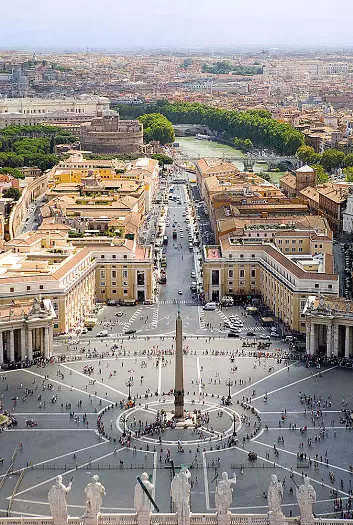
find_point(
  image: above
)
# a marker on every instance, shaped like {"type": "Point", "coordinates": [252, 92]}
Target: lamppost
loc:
{"type": "Point", "coordinates": [229, 384]}
{"type": "Point", "coordinates": [129, 383]}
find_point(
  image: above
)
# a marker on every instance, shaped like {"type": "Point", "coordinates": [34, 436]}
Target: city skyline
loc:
{"type": "Point", "coordinates": [197, 25]}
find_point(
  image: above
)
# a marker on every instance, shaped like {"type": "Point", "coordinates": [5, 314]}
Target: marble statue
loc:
{"type": "Point", "coordinates": [57, 500]}
{"type": "Point", "coordinates": [275, 496]}
{"type": "Point", "coordinates": [141, 502]}
{"type": "Point", "coordinates": [94, 492]}
{"type": "Point", "coordinates": [180, 492]}
{"type": "Point", "coordinates": [306, 496]}
{"type": "Point", "coordinates": [223, 495]}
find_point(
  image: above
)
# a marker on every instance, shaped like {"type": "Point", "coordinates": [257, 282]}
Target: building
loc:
{"type": "Point", "coordinates": [260, 268]}
{"type": "Point", "coordinates": [26, 330]}
{"type": "Point", "coordinates": [292, 184]}
{"type": "Point", "coordinates": [329, 326]}
{"type": "Point", "coordinates": [31, 111]}
{"type": "Point", "coordinates": [348, 215]}
{"type": "Point", "coordinates": [46, 263]}
{"type": "Point", "coordinates": [110, 135]}
{"type": "Point", "coordinates": [208, 167]}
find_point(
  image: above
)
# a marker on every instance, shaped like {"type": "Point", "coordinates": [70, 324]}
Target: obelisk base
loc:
{"type": "Point", "coordinates": [179, 408]}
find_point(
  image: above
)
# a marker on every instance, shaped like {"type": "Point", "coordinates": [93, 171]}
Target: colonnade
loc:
{"type": "Point", "coordinates": [24, 342]}
{"type": "Point", "coordinates": [332, 337]}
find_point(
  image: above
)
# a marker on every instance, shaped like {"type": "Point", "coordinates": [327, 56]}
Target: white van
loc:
{"type": "Point", "coordinates": [103, 333]}
{"type": "Point", "coordinates": [210, 306]}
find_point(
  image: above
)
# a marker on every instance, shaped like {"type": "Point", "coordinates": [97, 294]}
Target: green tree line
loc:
{"type": "Point", "coordinates": [223, 67]}
{"type": "Point", "coordinates": [257, 126]}
{"type": "Point", "coordinates": [157, 127]}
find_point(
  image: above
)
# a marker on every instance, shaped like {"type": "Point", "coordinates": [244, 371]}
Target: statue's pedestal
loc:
{"type": "Point", "coordinates": [89, 519]}
{"type": "Point", "coordinates": [143, 518]}
{"type": "Point", "coordinates": [223, 519]}
{"type": "Point", "coordinates": [276, 519]}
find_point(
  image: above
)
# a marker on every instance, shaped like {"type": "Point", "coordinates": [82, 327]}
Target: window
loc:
{"type": "Point", "coordinates": [102, 274]}
{"type": "Point", "coordinates": [241, 273]}
{"type": "Point", "coordinates": [316, 285]}
{"type": "Point", "coordinates": [56, 325]}
{"type": "Point", "coordinates": [253, 283]}
{"type": "Point", "coordinates": [113, 283]}
{"type": "Point", "coordinates": [102, 283]}
{"type": "Point", "coordinates": [41, 287]}
{"type": "Point", "coordinates": [253, 273]}
{"type": "Point", "coordinates": [102, 256]}
{"type": "Point", "coordinates": [125, 292]}
{"type": "Point", "coordinates": [302, 305]}
{"type": "Point", "coordinates": [113, 274]}
{"type": "Point", "coordinates": [215, 277]}
{"type": "Point", "coordinates": [230, 283]}
{"type": "Point", "coordinates": [287, 241]}
{"type": "Point", "coordinates": [114, 256]}
{"type": "Point", "coordinates": [286, 249]}
{"type": "Point", "coordinates": [230, 273]}
{"type": "Point", "coordinates": [113, 291]}
{"type": "Point", "coordinates": [140, 278]}
{"type": "Point", "coordinates": [125, 283]}
{"type": "Point", "coordinates": [300, 249]}
{"type": "Point", "coordinates": [280, 241]}
{"type": "Point", "coordinates": [253, 255]}
{"type": "Point", "coordinates": [12, 289]}
{"type": "Point", "coordinates": [294, 241]}
{"type": "Point", "coordinates": [241, 283]}
{"type": "Point", "coordinates": [28, 287]}
{"type": "Point", "coordinates": [103, 292]}
{"type": "Point", "coordinates": [330, 286]}
{"type": "Point", "coordinates": [241, 255]}
{"type": "Point", "coordinates": [300, 241]}
{"type": "Point", "coordinates": [293, 249]}
{"type": "Point", "coordinates": [125, 256]}
{"type": "Point", "coordinates": [230, 256]}
{"type": "Point", "coordinates": [125, 274]}
{"type": "Point", "coordinates": [315, 245]}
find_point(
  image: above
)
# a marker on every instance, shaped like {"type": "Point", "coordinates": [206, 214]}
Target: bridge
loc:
{"type": "Point", "coordinates": [249, 161]}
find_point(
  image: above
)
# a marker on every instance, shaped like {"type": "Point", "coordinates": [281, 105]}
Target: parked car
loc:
{"type": "Point", "coordinates": [274, 334]}
{"type": "Point", "coordinates": [119, 314]}
{"type": "Point", "coordinates": [103, 333]}
{"type": "Point", "coordinates": [264, 336]}
{"type": "Point", "coordinates": [130, 332]}
{"type": "Point", "coordinates": [210, 306]}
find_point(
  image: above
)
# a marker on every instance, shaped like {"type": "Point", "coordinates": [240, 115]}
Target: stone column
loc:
{"type": "Point", "coordinates": [348, 341]}
{"type": "Point", "coordinates": [179, 370]}
{"type": "Point", "coordinates": [23, 343]}
{"type": "Point", "coordinates": [329, 340]}
{"type": "Point", "coordinates": [307, 335]}
{"type": "Point", "coordinates": [11, 345]}
{"type": "Point", "coordinates": [51, 339]}
{"type": "Point", "coordinates": [30, 344]}
{"type": "Point", "coordinates": [45, 350]}
{"type": "Point", "coordinates": [335, 340]}
{"type": "Point", "coordinates": [312, 346]}
{"type": "Point", "coordinates": [1, 349]}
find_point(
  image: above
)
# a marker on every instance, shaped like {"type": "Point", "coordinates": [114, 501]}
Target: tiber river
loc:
{"type": "Point", "coordinates": [191, 147]}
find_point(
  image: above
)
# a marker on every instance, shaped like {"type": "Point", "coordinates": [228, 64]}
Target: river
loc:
{"type": "Point", "coordinates": [191, 147]}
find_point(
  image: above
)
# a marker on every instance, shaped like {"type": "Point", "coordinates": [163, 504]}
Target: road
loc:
{"type": "Point", "coordinates": [32, 220]}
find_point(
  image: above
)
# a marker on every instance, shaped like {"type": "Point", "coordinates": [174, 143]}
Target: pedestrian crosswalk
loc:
{"type": "Point", "coordinates": [134, 316]}
{"type": "Point", "coordinates": [190, 302]}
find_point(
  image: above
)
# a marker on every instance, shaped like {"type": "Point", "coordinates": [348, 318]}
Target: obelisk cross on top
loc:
{"type": "Point", "coordinates": [179, 369]}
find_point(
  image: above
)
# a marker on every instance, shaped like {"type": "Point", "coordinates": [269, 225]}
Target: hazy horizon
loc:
{"type": "Point", "coordinates": [188, 24]}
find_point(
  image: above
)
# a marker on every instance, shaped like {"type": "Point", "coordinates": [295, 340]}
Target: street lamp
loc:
{"type": "Point", "coordinates": [129, 384]}
{"type": "Point", "coordinates": [229, 384]}
{"type": "Point", "coordinates": [123, 419]}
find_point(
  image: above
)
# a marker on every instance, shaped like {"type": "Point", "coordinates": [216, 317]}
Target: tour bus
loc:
{"type": "Point", "coordinates": [90, 322]}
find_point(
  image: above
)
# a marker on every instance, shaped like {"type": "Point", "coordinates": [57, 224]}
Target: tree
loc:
{"type": "Point", "coordinates": [12, 171]}
{"type": "Point", "coordinates": [162, 159]}
{"type": "Point", "coordinates": [12, 193]}
{"type": "Point", "coordinates": [321, 175]}
{"type": "Point", "coordinates": [332, 159]}
{"type": "Point", "coordinates": [348, 173]}
{"type": "Point", "coordinates": [307, 154]}
{"type": "Point", "coordinates": [348, 161]}
{"type": "Point", "coordinates": [157, 127]}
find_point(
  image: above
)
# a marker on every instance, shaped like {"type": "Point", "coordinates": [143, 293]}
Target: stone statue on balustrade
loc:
{"type": "Point", "coordinates": [180, 492]}
{"type": "Point", "coordinates": [306, 496]}
{"type": "Point", "coordinates": [94, 493]}
{"type": "Point", "coordinates": [57, 501]}
{"type": "Point", "coordinates": [141, 502]}
{"type": "Point", "coordinates": [275, 497]}
{"type": "Point", "coordinates": [223, 495]}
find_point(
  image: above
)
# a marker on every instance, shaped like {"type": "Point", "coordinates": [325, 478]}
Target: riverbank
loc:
{"type": "Point", "coordinates": [193, 148]}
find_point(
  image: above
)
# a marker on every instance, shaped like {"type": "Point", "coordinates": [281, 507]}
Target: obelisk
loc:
{"type": "Point", "coordinates": [179, 370]}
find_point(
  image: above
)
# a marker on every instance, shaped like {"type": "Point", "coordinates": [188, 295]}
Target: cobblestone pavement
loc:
{"type": "Point", "coordinates": [75, 449]}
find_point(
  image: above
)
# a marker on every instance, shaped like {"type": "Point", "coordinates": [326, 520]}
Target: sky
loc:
{"type": "Point", "coordinates": [174, 24]}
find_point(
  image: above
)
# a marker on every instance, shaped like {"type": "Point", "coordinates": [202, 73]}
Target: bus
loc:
{"type": "Point", "coordinates": [165, 240]}
{"type": "Point", "coordinates": [90, 322]}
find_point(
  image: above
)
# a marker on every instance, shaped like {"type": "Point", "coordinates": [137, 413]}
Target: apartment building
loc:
{"type": "Point", "coordinates": [261, 269]}
{"type": "Point", "coordinates": [45, 264]}
{"type": "Point", "coordinates": [209, 167]}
